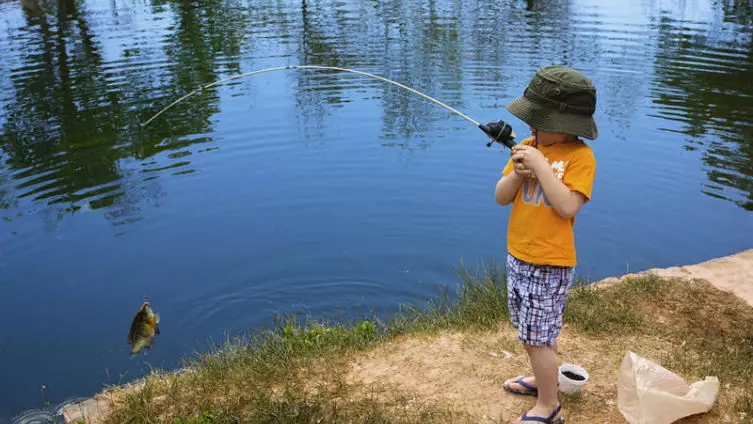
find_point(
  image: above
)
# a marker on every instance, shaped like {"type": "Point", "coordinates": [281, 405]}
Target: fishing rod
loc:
{"type": "Point", "coordinates": [498, 131]}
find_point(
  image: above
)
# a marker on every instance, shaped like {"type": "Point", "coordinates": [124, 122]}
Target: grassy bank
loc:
{"type": "Point", "coordinates": [298, 372]}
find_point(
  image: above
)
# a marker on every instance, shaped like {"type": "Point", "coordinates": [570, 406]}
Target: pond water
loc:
{"type": "Point", "coordinates": [328, 193]}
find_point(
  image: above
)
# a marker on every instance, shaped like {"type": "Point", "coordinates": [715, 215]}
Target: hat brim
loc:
{"type": "Point", "coordinates": [550, 120]}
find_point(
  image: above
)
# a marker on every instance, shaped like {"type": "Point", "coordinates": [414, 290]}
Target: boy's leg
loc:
{"type": "Point", "coordinates": [516, 284]}
{"type": "Point", "coordinates": [529, 381]}
{"type": "Point", "coordinates": [515, 277]}
{"type": "Point", "coordinates": [544, 362]}
{"type": "Point", "coordinates": [544, 291]}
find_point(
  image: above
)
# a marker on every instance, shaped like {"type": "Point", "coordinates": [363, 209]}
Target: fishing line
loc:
{"type": "Point", "coordinates": [498, 131]}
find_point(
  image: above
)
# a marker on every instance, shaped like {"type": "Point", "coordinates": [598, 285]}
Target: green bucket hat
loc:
{"type": "Point", "coordinates": [558, 99]}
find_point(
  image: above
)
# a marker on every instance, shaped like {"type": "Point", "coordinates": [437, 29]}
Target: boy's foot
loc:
{"type": "Point", "coordinates": [543, 415]}
{"type": "Point", "coordinates": [522, 386]}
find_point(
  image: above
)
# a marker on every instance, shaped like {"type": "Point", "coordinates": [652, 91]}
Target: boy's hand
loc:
{"type": "Point", "coordinates": [530, 157]}
{"type": "Point", "coordinates": [524, 172]}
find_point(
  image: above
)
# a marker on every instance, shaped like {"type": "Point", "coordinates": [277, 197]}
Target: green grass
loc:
{"type": "Point", "coordinates": [622, 312]}
{"type": "Point", "coordinates": [293, 374]}
{"type": "Point", "coordinates": [480, 303]}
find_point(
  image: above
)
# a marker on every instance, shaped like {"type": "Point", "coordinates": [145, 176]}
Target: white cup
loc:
{"type": "Point", "coordinates": [568, 385]}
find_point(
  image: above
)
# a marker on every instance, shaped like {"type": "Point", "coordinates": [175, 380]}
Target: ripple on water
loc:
{"type": "Point", "coordinates": [36, 417]}
{"type": "Point", "coordinates": [52, 415]}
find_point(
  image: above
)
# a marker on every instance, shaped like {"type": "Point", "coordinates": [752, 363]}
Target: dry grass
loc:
{"type": "Point", "coordinates": [705, 332]}
{"type": "Point", "coordinates": [446, 362]}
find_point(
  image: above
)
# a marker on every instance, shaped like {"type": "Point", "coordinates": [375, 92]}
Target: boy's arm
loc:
{"type": "Point", "coordinates": [507, 188]}
{"type": "Point", "coordinates": [569, 195]}
{"type": "Point", "coordinates": [567, 203]}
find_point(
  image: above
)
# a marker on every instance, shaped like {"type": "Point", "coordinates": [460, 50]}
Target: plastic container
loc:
{"type": "Point", "coordinates": [571, 378]}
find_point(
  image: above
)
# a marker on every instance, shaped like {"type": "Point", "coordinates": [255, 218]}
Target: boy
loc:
{"type": "Point", "coordinates": [547, 180]}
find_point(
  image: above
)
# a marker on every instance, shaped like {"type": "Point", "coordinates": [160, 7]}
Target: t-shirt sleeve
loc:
{"type": "Point", "coordinates": [580, 173]}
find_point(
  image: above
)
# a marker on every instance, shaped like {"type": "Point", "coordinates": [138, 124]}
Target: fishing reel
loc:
{"type": "Point", "coordinates": [500, 132]}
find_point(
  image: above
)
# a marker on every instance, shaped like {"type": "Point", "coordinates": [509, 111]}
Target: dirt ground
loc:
{"type": "Point", "coordinates": [467, 371]}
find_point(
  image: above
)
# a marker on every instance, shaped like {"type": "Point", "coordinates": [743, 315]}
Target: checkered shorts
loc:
{"type": "Point", "coordinates": [536, 296]}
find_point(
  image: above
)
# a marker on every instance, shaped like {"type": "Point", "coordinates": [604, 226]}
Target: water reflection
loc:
{"type": "Point", "coordinates": [62, 124]}
{"type": "Point", "coordinates": [703, 83]}
{"type": "Point", "coordinates": [58, 92]}
{"type": "Point", "coordinates": [73, 115]}
{"type": "Point", "coordinates": [320, 42]}
{"type": "Point", "coordinates": [737, 11]}
{"type": "Point", "coordinates": [386, 39]}
{"type": "Point", "coordinates": [429, 58]}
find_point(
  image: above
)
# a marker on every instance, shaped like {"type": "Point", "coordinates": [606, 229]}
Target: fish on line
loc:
{"type": "Point", "coordinates": [144, 328]}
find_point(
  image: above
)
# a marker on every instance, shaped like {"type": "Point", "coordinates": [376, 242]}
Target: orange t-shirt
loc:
{"type": "Point", "coordinates": [536, 233]}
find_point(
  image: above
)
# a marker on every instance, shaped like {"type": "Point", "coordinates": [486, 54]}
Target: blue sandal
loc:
{"type": "Point", "coordinates": [549, 420]}
{"type": "Point", "coordinates": [531, 390]}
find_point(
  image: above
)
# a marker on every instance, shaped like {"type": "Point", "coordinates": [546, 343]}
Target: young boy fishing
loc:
{"type": "Point", "coordinates": [547, 179]}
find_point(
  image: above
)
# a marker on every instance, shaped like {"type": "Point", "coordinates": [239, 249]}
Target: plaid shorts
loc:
{"type": "Point", "coordinates": [536, 296]}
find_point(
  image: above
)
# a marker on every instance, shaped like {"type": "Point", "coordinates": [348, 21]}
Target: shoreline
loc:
{"type": "Point", "coordinates": [730, 274]}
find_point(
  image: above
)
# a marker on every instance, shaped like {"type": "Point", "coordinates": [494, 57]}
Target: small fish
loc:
{"type": "Point", "coordinates": [144, 327]}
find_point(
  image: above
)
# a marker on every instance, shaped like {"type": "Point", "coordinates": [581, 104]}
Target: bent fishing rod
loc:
{"type": "Point", "coordinates": [498, 131]}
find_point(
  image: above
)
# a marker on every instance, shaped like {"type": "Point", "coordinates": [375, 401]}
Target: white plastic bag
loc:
{"type": "Point", "coordinates": [648, 393]}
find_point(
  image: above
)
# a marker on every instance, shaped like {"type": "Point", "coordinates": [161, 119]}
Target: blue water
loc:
{"type": "Point", "coordinates": [328, 194]}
